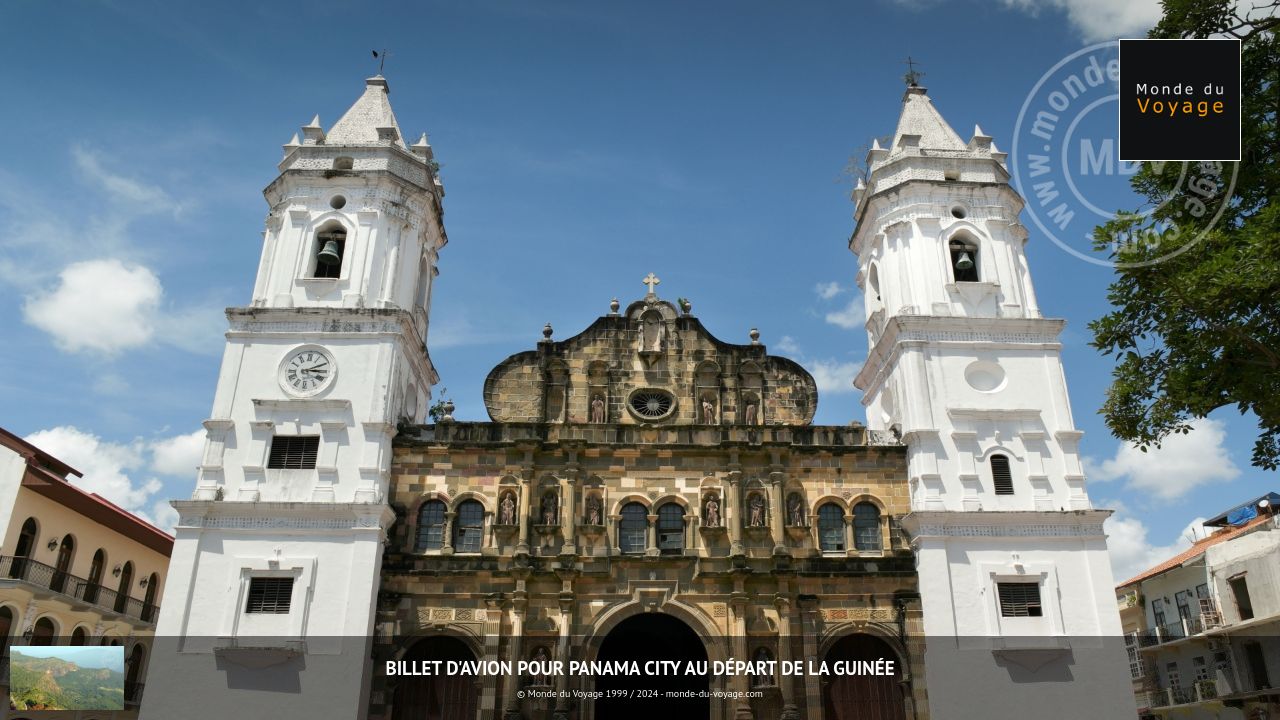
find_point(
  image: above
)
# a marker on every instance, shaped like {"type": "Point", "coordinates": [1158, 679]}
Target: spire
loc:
{"type": "Point", "coordinates": [921, 121]}
{"type": "Point", "coordinates": [370, 120]}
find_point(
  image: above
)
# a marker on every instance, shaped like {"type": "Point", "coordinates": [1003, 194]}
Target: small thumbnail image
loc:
{"type": "Point", "coordinates": [62, 677]}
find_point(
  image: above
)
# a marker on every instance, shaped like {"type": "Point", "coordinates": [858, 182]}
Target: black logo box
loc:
{"type": "Point", "coordinates": [1186, 68]}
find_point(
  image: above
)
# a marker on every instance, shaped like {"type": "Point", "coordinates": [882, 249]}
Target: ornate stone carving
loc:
{"type": "Point", "coordinates": [507, 509]}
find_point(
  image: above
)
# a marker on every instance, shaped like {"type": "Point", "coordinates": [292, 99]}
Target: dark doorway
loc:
{"type": "Point", "coordinates": [22, 551]}
{"type": "Point", "coordinates": [436, 697]}
{"type": "Point", "coordinates": [122, 595]}
{"type": "Point", "coordinates": [653, 636]}
{"type": "Point", "coordinates": [62, 567]}
{"type": "Point", "coordinates": [862, 697]}
{"type": "Point", "coordinates": [42, 632]}
{"type": "Point", "coordinates": [95, 576]}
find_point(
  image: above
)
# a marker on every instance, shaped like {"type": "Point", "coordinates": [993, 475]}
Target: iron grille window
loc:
{"type": "Point", "coordinates": [468, 528]}
{"type": "Point", "coordinates": [671, 529]}
{"type": "Point", "coordinates": [633, 528]}
{"type": "Point", "coordinates": [866, 526]}
{"type": "Point", "coordinates": [1019, 599]}
{"type": "Point", "coordinates": [294, 452]}
{"type": "Point", "coordinates": [1000, 475]}
{"type": "Point", "coordinates": [430, 526]}
{"type": "Point", "coordinates": [269, 595]}
{"type": "Point", "coordinates": [831, 528]}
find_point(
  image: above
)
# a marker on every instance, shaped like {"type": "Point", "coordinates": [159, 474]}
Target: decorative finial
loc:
{"type": "Point", "coordinates": [686, 307]}
{"type": "Point", "coordinates": [755, 336]}
{"type": "Point", "coordinates": [651, 280]}
{"type": "Point", "coordinates": [613, 306]}
{"type": "Point", "coordinates": [315, 122]}
{"type": "Point", "coordinates": [546, 332]}
{"type": "Point", "coordinates": [913, 75]}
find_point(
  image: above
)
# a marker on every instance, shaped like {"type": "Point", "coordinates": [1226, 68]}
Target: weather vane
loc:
{"type": "Point", "coordinates": [913, 75]}
{"type": "Point", "coordinates": [381, 57]}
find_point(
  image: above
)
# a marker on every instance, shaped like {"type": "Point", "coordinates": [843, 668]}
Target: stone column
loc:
{"type": "Point", "coordinates": [569, 511]}
{"type": "Point", "coordinates": [742, 711]}
{"type": "Point", "coordinates": [562, 654]}
{"type": "Point", "coordinates": [446, 542]}
{"type": "Point", "coordinates": [786, 680]}
{"type": "Point", "coordinates": [522, 548]}
{"type": "Point", "coordinates": [652, 550]}
{"type": "Point", "coordinates": [849, 548]}
{"type": "Point", "coordinates": [778, 517]}
{"type": "Point", "coordinates": [730, 512]}
{"type": "Point", "coordinates": [514, 650]}
{"type": "Point", "coordinates": [612, 531]}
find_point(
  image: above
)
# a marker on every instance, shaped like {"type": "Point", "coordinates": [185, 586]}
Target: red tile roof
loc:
{"type": "Point", "coordinates": [1196, 550]}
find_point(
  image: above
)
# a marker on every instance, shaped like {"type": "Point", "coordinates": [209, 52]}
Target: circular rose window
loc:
{"type": "Point", "coordinates": [651, 404]}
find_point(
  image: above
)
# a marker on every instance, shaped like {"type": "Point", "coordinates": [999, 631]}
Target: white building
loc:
{"type": "Point", "coordinates": [270, 603]}
{"type": "Point", "coordinates": [1015, 580]}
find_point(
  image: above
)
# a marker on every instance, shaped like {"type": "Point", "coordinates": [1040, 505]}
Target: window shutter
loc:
{"type": "Point", "coordinates": [293, 452]}
{"type": "Point", "coordinates": [270, 595]}
{"type": "Point", "coordinates": [1019, 599]}
{"type": "Point", "coordinates": [1001, 476]}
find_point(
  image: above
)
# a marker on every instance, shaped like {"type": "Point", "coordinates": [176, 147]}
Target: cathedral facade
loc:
{"type": "Point", "coordinates": [642, 490]}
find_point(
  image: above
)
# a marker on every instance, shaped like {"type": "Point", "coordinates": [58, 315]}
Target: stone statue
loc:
{"type": "Point", "coordinates": [708, 412]}
{"type": "Point", "coordinates": [762, 678]}
{"type": "Point", "coordinates": [655, 332]}
{"type": "Point", "coordinates": [549, 514]}
{"type": "Point", "coordinates": [749, 413]}
{"type": "Point", "coordinates": [597, 409]}
{"type": "Point", "coordinates": [757, 511]}
{"type": "Point", "coordinates": [712, 512]}
{"type": "Point", "coordinates": [541, 660]}
{"type": "Point", "coordinates": [508, 510]}
{"type": "Point", "coordinates": [593, 510]}
{"type": "Point", "coordinates": [796, 510]}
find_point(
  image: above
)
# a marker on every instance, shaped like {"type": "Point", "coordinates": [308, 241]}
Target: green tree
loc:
{"type": "Point", "coordinates": [1200, 330]}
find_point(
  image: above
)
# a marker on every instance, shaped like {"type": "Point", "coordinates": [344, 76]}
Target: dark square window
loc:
{"type": "Point", "coordinates": [1019, 599]}
{"type": "Point", "coordinates": [293, 452]}
{"type": "Point", "coordinates": [269, 595]}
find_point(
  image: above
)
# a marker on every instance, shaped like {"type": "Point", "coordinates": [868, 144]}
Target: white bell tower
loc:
{"type": "Point", "coordinates": [1015, 580]}
{"type": "Point", "coordinates": [275, 569]}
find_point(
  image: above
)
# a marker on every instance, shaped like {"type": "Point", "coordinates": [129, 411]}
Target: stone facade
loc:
{"type": "Point", "coordinates": [554, 565]}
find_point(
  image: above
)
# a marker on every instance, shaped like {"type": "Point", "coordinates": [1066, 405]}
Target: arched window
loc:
{"type": "Point", "coordinates": [1001, 477]}
{"type": "Point", "coordinates": [22, 551]}
{"type": "Point", "coordinates": [149, 601]}
{"type": "Point", "coordinates": [831, 528]}
{"type": "Point", "coordinates": [430, 526]}
{"type": "Point", "coordinates": [43, 632]}
{"type": "Point", "coordinates": [671, 529]}
{"type": "Point", "coordinates": [79, 636]}
{"type": "Point", "coordinates": [964, 259]}
{"type": "Point", "coordinates": [6, 627]}
{"type": "Point", "coordinates": [633, 529]}
{"type": "Point", "coordinates": [468, 527]}
{"type": "Point", "coordinates": [122, 595]}
{"type": "Point", "coordinates": [866, 526]}
{"type": "Point", "coordinates": [62, 566]}
{"type": "Point", "coordinates": [331, 241]}
{"type": "Point", "coordinates": [96, 569]}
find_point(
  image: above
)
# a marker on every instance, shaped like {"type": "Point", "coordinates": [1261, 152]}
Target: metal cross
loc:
{"type": "Point", "coordinates": [651, 280]}
{"type": "Point", "coordinates": [913, 76]}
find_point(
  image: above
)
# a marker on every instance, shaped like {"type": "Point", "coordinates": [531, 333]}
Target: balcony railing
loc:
{"type": "Point", "coordinates": [46, 576]}
{"type": "Point", "coordinates": [1181, 628]}
{"type": "Point", "coordinates": [1200, 691]}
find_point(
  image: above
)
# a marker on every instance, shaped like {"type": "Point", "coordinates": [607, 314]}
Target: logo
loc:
{"type": "Point", "coordinates": [1065, 161]}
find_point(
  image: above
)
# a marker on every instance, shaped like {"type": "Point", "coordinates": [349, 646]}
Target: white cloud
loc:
{"type": "Point", "coordinates": [833, 377]}
{"type": "Point", "coordinates": [1132, 552]}
{"type": "Point", "coordinates": [828, 290]}
{"type": "Point", "coordinates": [100, 305]}
{"type": "Point", "coordinates": [178, 455]}
{"type": "Point", "coordinates": [1098, 20]}
{"type": "Point", "coordinates": [787, 345]}
{"type": "Point", "coordinates": [850, 317]}
{"type": "Point", "coordinates": [148, 198]}
{"type": "Point", "coordinates": [119, 471]}
{"type": "Point", "coordinates": [1180, 464]}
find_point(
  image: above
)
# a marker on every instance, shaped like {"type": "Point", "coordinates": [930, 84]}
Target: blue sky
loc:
{"type": "Point", "coordinates": [582, 146]}
{"type": "Point", "coordinates": [111, 657]}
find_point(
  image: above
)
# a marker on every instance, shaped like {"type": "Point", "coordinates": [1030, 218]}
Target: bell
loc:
{"type": "Point", "coordinates": [329, 255]}
{"type": "Point", "coordinates": [964, 262]}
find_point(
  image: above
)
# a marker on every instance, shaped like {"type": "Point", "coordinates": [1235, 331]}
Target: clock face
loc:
{"type": "Point", "coordinates": [307, 371]}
